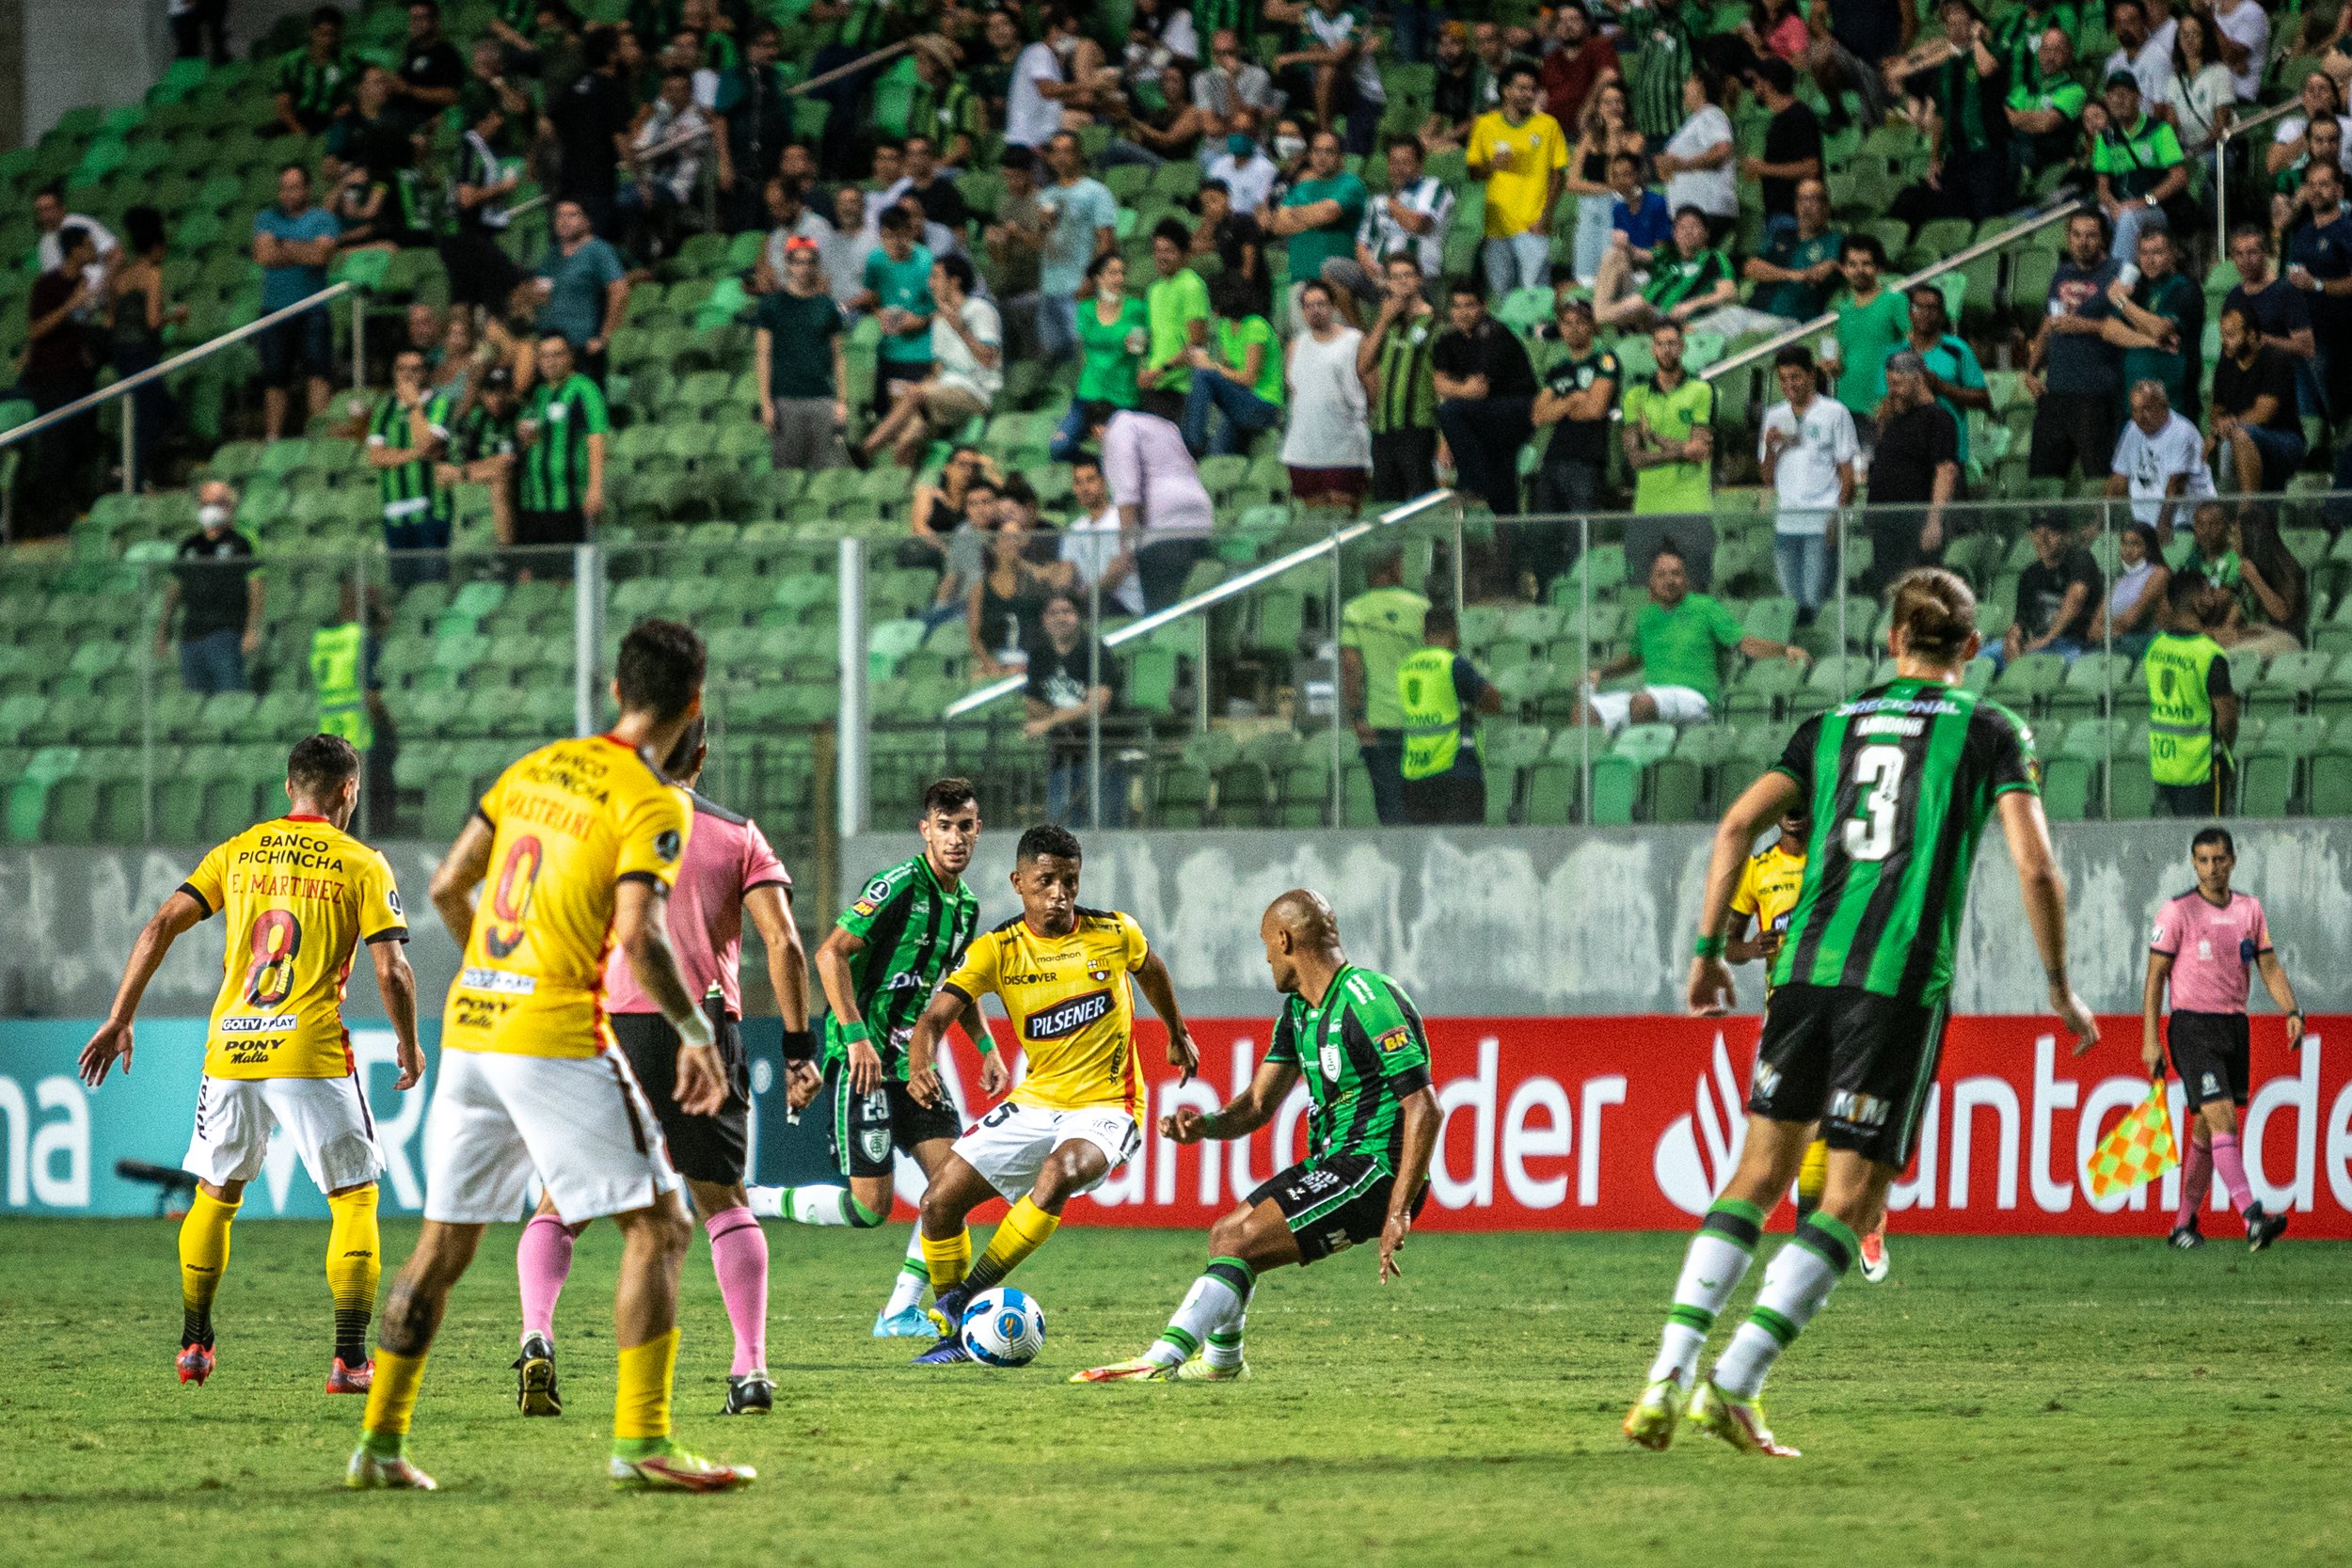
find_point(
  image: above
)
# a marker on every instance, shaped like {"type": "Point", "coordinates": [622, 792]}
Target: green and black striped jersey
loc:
{"type": "Point", "coordinates": [410, 494]}
{"type": "Point", "coordinates": [1899, 782]}
{"type": "Point", "coordinates": [1361, 1053]}
{"type": "Point", "coordinates": [914, 932]}
{"type": "Point", "coordinates": [555, 465]}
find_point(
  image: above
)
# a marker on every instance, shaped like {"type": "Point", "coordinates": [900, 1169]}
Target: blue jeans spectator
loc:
{"type": "Point", "coordinates": [1070, 435]}
{"type": "Point", "coordinates": [212, 662]}
{"type": "Point", "coordinates": [1246, 414]}
{"type": "Point", "coordinates": [1521, 261]}
{"type": "Point", "coordinates": [1056, 326]}
{"type": "Point", "coordinates": [1384, 764]}
{"type": "Point", "coordinates": [407, 569]}
{"type": "Point", "coordinates": [1801, 561]}
{"type": "Point", "coordinates": [299, 347]}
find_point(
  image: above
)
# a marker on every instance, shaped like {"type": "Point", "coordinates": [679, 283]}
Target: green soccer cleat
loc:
{"type": "Point", "coordinates": [1652, 1419]}
{"type": "Point", "coordinates": [674, 1469]}
{"type": "Point", "coordinates": [1739, 1422]}
{"type": "Point", "coordinates": [1199, 1371]}
{"type": "Point", "coordinates": [369, 1472]}
{"type": "Point", "coordinates": [1136, 1370]}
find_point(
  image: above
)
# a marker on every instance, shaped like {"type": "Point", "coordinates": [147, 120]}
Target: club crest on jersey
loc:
{"type": "Point", "coordinates": [1098, 973]}
{"type": "Point", "coordinates": [1065, 1019]}
{"type": "Point", "coordinates": [1328, 1059]}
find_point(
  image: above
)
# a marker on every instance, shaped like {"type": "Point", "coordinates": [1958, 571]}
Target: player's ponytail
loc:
{"type": "Point", "coordinates": [1935, 612]}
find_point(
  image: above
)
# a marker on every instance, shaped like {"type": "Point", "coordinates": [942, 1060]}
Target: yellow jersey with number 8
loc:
{"type": "Point", "coordinates": [1071, 1009]}
{"type": "Point", "coordinates": [299, 894]}
{"type": "Point", "coordinates": [570, 824]}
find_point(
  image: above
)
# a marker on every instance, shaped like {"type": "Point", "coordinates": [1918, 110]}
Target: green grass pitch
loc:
{"type": "Point", "coordinates": [2074, 1402]}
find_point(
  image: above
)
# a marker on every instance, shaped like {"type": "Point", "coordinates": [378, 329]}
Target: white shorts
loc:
{"type": "Point", "coordinates": [327, 1117]}
{"type": "Point", "coordinates": [1676, 705]}
{"type": "Point", "coordinates": [580, 1123]}
{"type": "Point", "coordinates": [1008, 1145]}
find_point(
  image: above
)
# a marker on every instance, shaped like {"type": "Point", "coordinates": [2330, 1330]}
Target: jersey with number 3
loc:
{"type": "Point", "coordinates": [570, 823]}
{"type": "Point", "coordinates": [1900, 779]}
{"type": "Point", "coordinates": [298, 896]}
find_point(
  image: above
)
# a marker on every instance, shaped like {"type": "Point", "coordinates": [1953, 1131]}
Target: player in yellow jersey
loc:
{"type": "Point", "coordinates": [298, 895]}
{"type": "Point", "coordinates": [580, 843]}
{"type": "Point", "coordinates": [1765, 894]}
{"type": "Point", "coordinates": [1078, 1114]}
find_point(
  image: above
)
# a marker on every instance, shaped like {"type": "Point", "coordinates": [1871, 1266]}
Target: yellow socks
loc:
{"type": "Point", "coordinates": [391, 1400]}
{"type": "Point", "coordinates": [1024, 1230]}
{"type": "Point", "coordinates": [352, 1265]}
{"type": "Point", "coordinates": [203, 1259]}
{"type": "Point", "coordinates": [1812, 1176]}
{"type": "Point", "coordinates": [641, 1402]}
{"type": "Point", "coordinates": [948, 1260]}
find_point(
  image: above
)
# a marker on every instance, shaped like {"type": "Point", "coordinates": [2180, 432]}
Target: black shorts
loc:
{"type": "Point", "coordinates": [1332, 1201]}
{"type": "Point", "coordinates": [536, 529]}
{"type": "Point", "coordinates": [1858, 1063]}
{"type": "Point", "coordinates": [867, 1127]}
{"type": "Point", "coordinates": [703, 1149]}
{"type": "Point", "coordinates": [2209, 1051]}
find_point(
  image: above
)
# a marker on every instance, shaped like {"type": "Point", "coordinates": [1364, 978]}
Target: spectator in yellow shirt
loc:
{"type": "Point", "coordinates": [1522, 154]}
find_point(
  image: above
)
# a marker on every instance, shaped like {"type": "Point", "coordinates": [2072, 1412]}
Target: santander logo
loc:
{"type": "Point", "coordinates": [1698, 1152]}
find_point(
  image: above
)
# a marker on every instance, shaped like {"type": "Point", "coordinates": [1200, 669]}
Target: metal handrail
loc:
{"type": "Point", "coordinates": [1218, 594]}
{"type": "Point", "coordinates": [134, 382]}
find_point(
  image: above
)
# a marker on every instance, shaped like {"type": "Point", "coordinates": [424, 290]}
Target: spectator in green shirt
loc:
{"type": "Point", "coordinates": [2159, 323]}
{"type": "Point", "coordinates": [1669, 443]}
{"type": "Point", "coordinates": [2139, 163]}
{"type": "Point", "coordinates": [1677, 644]}
{"type": "Point", "coordinates": [1239, 373]}
{"type": "Point", "coordinates": [1177, 306]}
{"type": "Point", "coordinates": [1113, 331]}
{"type": "Point", "coordinates": [314, 82]}
{"type": "Point", "coordinates": [1794, 274]}
{"type": "Point", "coordinates": [899, 293]}
{"type": "Point", "coordinates": [1320, 215]}
{"type": "Point", "coordinates": [2045, 107]}
{"type": "Point", "coordinates": [1872, 322]}
{"type": "Point", "coordinates": [1686, 279]}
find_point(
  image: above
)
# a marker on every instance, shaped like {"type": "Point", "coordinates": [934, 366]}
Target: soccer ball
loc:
{"type": "Point", "coordinates": [1004, 1327]}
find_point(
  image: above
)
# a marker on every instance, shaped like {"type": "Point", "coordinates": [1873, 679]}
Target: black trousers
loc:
{"type": "Point", "coordinates": [1404, 464]}
{"type": "Point", "coordinates": [2070, 428]}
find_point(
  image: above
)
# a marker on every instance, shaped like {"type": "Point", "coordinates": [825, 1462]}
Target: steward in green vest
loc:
{"type": "Point", "coordinates": [2192, 711]}
{"type": "Point", "coordinates": [1437, 689]}
{"type": "Point", "coordinates": [351, 697]}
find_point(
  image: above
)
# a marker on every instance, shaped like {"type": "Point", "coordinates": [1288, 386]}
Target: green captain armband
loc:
{"type": "Point", "coordinates": [1707, 947]}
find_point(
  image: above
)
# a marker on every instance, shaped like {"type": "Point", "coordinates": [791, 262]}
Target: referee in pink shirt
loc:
{"type": "Point", "coordinates": [2204, 942]}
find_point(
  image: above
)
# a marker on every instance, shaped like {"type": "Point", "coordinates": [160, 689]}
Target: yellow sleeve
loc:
{"type": "Point", "coordinates": [1481, 142]}
{"type": "Point", "coordinates": [977, 975]}
{"type": "Point", "coordinates": [381, 918]}
{"type": "Point", "coordinates": [208, 882]}
{"type": "Point", "coordinates": [1138, 948]}
{"type": "Point", "coordinates": [1744, 893]}
{"type": "Point", "coordinates": [654, 831]}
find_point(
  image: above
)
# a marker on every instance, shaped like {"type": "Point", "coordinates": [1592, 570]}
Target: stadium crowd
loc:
{"type": "Point", "coordinates": [1061, 280]}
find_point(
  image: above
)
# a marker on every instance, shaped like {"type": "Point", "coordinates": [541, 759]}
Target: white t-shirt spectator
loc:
{"type": "Point", "coordinates": [51, 251]}
{"type": "Point", "coordinates": [2292, 128]}
{"type": "Point", "coordinates": [1249, 183]}
{"type": "Point", "coordinates": [1712, 191]}
{"type": "Point", "coordinates": [958, 365]}
{"type": "Point", "coordinates": [2249, 24]}
{"type": "Point", "coordinates": [1329, 425]}
{"type": "Point", "coordinates": [1383, 235]}
{"type": "Point", "coordinates": [1807, 481]}
{"type": "Point", "coordinates": [2153, 69]}
{"type": "Point", "coordinates": [844, 258]}
{"type": "Point", "coordinates": [1090, 545]}
{"type": "Point", "coordinates": [1031, 117]}
{"type": "Point", "coordinates": [1337, 32]}
{"type": "Point", "coordinates": [1219, 92]}
{"type": "Point", "coordinates": [1146, 465]}
{"type": "Point", "coordinates": [2151, 463]}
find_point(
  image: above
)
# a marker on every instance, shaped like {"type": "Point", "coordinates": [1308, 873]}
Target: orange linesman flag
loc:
{"type": "Point", "coordinates": [2140, 1150]}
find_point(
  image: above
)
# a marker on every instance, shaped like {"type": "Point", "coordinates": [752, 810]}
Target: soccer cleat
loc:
{"type": "Point", "coordinates": [674, 1469]}
{"type": "Point", "coordinates": [1739, 1422]}
{"type": "Point", "coordinates": [946, 1313]}
{"type": "Point", "coordinates": [348, 1378]}
{"type": "Point", "coordinates": [1874, 1264]}
{"type": "Point", "coordinates": [534, 1379]}
{"type": "Point", "coordinates": [945, 1354]}
{"type": "Point", "coordinates": [2262, 1228]}
{"type": "Point", "coordinates": [1199, 1370]}
{"type": "Point", "coordinates": [2185, 1238]}
{"type": "Point", "coordinates": [753, 1394]}
{"type": "Point", "coordinates": [908, 1323]}
{"type": "Point", "coordinates": [194, 1364]}
{"type": "Point", "coordinates": [1652, 1419]}
{"type": "Point", "coordinates": [1136, 1370]}
{"type": "Point", "coordinates": [368, 1473]}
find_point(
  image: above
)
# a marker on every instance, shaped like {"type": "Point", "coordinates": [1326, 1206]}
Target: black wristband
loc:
{"type": "Point", "coordinates": [800, 1045]}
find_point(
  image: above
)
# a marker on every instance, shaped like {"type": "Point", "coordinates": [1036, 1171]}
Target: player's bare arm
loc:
{"type": "Point", "coordinates": [1422, 1120]}
{"type": "Point", "coordinates": [1745, 940]}
{"type": "Point", "coordinates": [460, 872]}
{"type": "Point", "coordinates": [1160, 991]}
{"type": "Point", "coordinates": [946, 1006]}
{"type": "Point", "coordinates": [641, 930]}
{"type": "Point", "coordinates": [788, 977]}
{"type": "Point", "coordinates": [1709, 992]}
{"type": "Point", "coordinates": [179, 914]}
{"type": "Point", "coordinates": [2044, 891]}
{"type": "Point", "coordinates": [2275, 981]}
{"type": "Point", "coordinates": [1238, 1117]}
{"type": "Point", "coordinates": [995, 1077]}
{"type": "Point", "coordinates": [2151, 1010]}
{"type": "Point", "coordinates": [832, 972]}
{"type": "Point", "coordinates": [397, 983]}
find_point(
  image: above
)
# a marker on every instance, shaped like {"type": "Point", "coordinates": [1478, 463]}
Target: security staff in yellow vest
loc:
{"type": "Point", "coordinates": [2192, 711]}
{"type": "Point", "coordinates": [351, 697]}
{"type": "Point", "coordinates": [1439, 690]}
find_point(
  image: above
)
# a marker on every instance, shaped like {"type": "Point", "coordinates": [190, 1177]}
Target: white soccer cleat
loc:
{"type": "Point", "coordinates": [368, 1473]}
{"type": "Point", "coordinates": [1739, 1422]}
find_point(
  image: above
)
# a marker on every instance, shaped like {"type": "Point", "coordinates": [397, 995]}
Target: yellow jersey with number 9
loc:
{"type": "Point", "coordinates": [299, 894]}
{"type": "Point", "coordinates": [570, 824]}
{"type": "Point", "coordinates": [1070, 1005]}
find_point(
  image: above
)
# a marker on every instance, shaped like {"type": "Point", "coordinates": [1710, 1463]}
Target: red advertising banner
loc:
{"type": "Point", "coordinates": [1633, 1124]}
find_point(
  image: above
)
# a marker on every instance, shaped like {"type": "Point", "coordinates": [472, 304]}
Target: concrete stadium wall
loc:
{"type": "Point", "coordinates": [1485, 923]}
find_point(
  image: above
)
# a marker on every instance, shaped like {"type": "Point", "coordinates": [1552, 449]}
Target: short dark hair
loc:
{"type": "Point", "coordinates": [1666, 547]}
{"type": "Point", "coordinates": [321, 763]}
{"type": "Point", "coordinates": [981, 482]}
{"type": "Point", "coordinates": [54, 191]}
{"type": "Point", "coordinates": [946, 795]}
{"type": "Point", "coordinates": [1017, 157]}
{"type": "Point", "coordinates": [1689, 210]}
{"type": "Point", "coordinates": [142, 229]}
{"type": "Point", "coordinates": [1462, 286]}
{"type": "Point", "coordinates": [1866, 243]}
{"type": "Point", "coordinates": [894, 220]}
{"type": "Point", "coordinates": [325, 14]}
{"type": "Point", "coordinates": [2214, 835]}
{"type": "Point", "coordinates": [660, 669]}
{"type": "Point", "coordinates": [1086, 460]}
{"type": "Point", "coordinates": [1776, 73]}
{"type": "Point", "coordinates": [1406, 144]}
{"type": "Point", "coordinates": [71, 235]}
{"type": "Point", "coordinates": [1928, 291]}
{"type": "Point", "coordinates": [958, 268]}
{"type": "Point", "coordinates": [1796, 355]}
{"type": "Point", "coordinates": [1514, 70]}
{"type": "Point", "coordinates": [1174, 232]}
{"type": "Point", "coordinates": [680, 762]}
{"type": "Point", "coordinates": [1047, 841]}
{"type": "Point", "coordinates": [1218, 185]}
{"type": "Point", "coordinates": [1315, 285]}
{"type": "Point", "coordinates": [1095, 411]}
